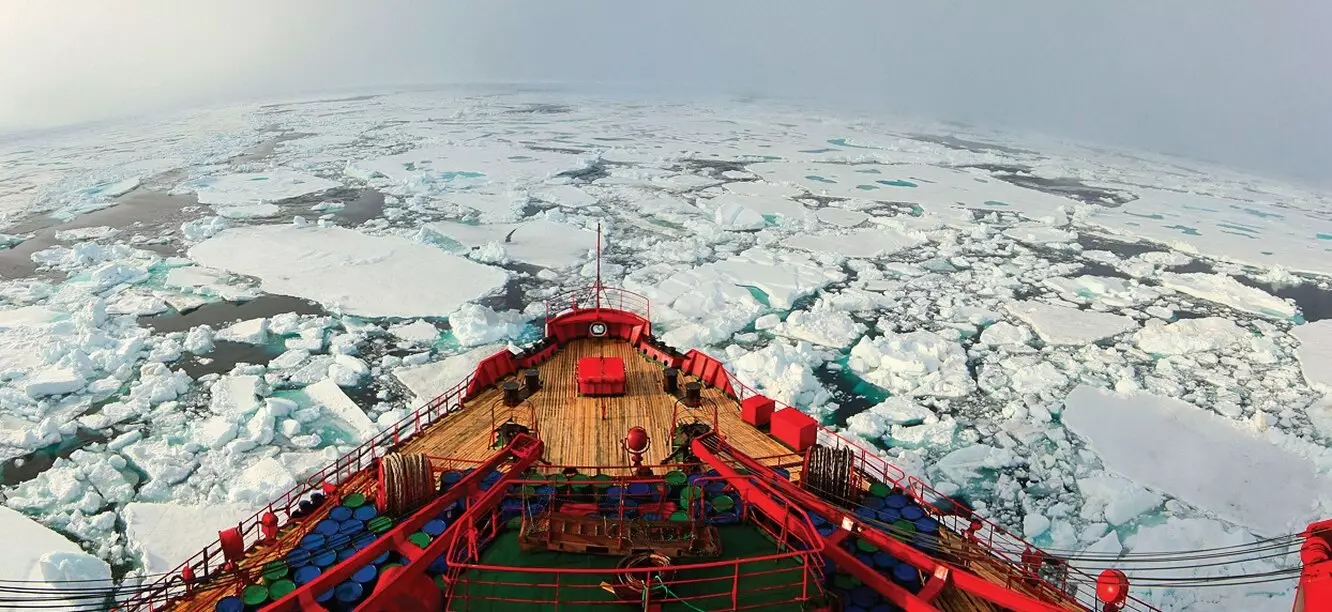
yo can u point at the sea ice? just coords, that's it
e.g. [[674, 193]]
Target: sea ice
[[1315, 352], [1225, 290], [918, 363], [244, 190], [416, 332], [168, 534], [865, 243], [1188, 336], [541, 242], [327, 394], [1062, 325], [35, 553], [426, 381], [1170, 446], [341, 268]]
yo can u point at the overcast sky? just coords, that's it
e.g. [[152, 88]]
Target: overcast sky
[[1244, 82]]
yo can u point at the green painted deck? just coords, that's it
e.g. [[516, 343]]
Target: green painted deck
[[775, 590]]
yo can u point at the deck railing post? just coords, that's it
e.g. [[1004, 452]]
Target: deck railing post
[[735, 588]]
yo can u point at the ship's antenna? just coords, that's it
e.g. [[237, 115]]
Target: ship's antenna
[[598, 286]]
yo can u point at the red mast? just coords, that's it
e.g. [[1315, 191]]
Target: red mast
[[598, 285]]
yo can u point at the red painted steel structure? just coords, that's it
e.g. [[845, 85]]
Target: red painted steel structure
[[522, 453], [1315, 590]]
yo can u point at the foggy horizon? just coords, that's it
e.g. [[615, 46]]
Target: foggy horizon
[[1235, 83]]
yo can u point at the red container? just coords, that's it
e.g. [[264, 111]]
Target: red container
[[757, 410], [601, 376], [794, 429]]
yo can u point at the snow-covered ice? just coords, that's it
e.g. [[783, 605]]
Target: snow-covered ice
[[345, 269], [168, 534], [1198, 457], [1070, 326]]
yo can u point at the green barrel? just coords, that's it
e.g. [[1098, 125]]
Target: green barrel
[[379, 524], [866, 547], [675, 480], [879, 489], [845, 582], [274, 571], [903, 528], [280, 589], [680, 516], [689, 494], [353, 500], [514, 523], [723, 503], [420, 539], [255, 595]]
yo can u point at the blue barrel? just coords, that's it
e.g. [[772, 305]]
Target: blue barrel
[[865, 559], [511, 506], [298, 557], [871, 501], [864, 596], [725, 518], [641, 490], [630, 508], [337, 541], [351, 527], [896, 501], [535, 509], [545, 490], [382, 558], [867, 514], [312, 541], [325, 558], [906, 576], [615, 492], [884, 562], [325, 596], [365, 513], [826, 530], [889, 515], [231, 603], [348, 592], [782, 473], [345, 554], [652, 516], [306, 574], [927, 530], [365, 574], [817, 519], [694, 478], [361, 540], [434, 528], [449, 478], [439, 565], [912, 513], [327, 527], [340, 513]]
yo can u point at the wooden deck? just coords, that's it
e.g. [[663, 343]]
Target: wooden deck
[[572, 426]]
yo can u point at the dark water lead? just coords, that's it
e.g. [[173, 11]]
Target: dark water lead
[[222, 314], [142, 212], [1314, 301], [22, 469], [850, 392]]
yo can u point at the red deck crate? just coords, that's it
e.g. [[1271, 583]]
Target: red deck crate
[[601, 376], [794, 429], [757, 410]]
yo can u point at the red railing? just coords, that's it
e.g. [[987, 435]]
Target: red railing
[[997, 542], [584, 298], [578, 588], [1002, 545], [210, 559]]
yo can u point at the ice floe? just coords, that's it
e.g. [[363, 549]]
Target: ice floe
[[918, 363], [1170, 445], [168, 534], [1225, 290], [1315, 353], [348, 270], [541, 243], [1063, 325]]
